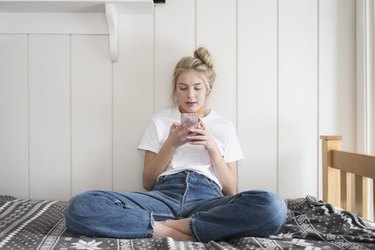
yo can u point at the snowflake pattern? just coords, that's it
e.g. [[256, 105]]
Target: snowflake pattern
[[91, 245]]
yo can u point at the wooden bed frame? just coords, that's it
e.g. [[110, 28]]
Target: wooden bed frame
[[346, 176]]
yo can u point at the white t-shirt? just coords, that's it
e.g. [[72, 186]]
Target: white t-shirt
[[187, 156]]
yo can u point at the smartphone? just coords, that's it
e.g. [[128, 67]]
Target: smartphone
[[194, 118]]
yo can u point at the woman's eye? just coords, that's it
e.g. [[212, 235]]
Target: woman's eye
[[183, 88], [197, 88]]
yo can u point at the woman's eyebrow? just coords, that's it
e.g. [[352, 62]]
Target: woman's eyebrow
[[185, 84]]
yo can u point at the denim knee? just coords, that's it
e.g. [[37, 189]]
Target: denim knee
[[277, 211], [107, 214], [80, 211], [273, 207]]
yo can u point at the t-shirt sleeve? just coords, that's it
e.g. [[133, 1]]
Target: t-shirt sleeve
[[150, 139], [233, 151]]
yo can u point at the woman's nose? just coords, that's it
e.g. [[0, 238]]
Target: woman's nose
[[191, 93]]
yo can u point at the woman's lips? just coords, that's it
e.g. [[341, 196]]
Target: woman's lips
[[191, 103]]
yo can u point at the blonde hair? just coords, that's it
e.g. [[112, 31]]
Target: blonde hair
[[202, 62]]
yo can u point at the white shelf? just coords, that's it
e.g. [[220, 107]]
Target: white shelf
[[111, 9], [77, 6]]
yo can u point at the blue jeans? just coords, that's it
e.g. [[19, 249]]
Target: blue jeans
[[185, 194]]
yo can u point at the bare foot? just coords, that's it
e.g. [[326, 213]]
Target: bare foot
[[181, 225], [162, 230]]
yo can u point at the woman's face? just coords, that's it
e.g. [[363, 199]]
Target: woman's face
[[191, 91]]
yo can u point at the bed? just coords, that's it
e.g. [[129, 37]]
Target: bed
[[311, 223]]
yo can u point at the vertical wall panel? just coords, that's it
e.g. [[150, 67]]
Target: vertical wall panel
[[14, 163], [257, 93], [91, 113], [49, 116], [298, 98], [216, 30], [174, 38], [337, 71], [133, 99]]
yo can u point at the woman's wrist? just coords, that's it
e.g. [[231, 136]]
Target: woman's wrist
[[219, 163], [215, 155], [169, 144]]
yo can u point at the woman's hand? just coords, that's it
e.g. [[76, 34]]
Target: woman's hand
[[180, 132], [200, 136]]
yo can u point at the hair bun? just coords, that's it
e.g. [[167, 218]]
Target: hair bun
[[202, 54]]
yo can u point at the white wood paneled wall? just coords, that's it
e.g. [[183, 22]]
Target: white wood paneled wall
[[298, 96], [49, 122], [133, 100], [14, 116], [71, 120], [258, 93], [91, 131], [337, 72]]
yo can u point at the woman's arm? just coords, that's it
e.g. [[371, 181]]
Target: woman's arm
[[225, 172], [155, 164]]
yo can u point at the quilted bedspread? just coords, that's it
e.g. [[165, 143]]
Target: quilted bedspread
[[311, 224]]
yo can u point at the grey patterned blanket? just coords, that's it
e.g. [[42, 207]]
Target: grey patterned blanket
[[311, 224]]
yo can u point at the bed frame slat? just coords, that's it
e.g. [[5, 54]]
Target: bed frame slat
[[343, 189], [361, 196]]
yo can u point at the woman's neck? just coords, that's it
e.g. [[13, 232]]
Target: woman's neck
[[200, 112]]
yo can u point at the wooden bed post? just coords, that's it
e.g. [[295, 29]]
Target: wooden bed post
[[331, 176]]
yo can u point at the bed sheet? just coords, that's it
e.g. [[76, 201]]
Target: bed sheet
[[311, 224]]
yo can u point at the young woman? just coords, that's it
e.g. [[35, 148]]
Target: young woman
[[190, 172]]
